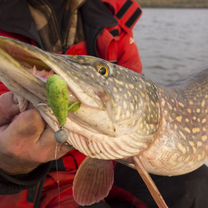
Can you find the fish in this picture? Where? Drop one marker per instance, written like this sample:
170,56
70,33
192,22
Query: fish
123,116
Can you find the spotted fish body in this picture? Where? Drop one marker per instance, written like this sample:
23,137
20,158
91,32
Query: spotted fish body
122,114
181,143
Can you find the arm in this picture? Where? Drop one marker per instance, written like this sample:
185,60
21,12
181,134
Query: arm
128,53
116,44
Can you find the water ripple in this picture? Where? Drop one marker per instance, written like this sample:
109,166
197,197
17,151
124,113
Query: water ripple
173,42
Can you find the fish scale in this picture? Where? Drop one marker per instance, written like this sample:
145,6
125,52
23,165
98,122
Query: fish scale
122,115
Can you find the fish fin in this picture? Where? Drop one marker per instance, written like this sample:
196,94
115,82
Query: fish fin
149,183
93,181
74,107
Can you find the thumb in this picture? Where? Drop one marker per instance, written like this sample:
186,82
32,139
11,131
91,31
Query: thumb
8,108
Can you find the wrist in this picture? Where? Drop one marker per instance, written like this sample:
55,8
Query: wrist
13,167
11,184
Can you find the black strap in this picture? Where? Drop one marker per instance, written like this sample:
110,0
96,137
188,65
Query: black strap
124,9
115,32
133,18
95,16
39,194
14,184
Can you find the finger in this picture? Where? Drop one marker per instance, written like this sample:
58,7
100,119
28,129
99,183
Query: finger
8,108
49,148
21,135
27,126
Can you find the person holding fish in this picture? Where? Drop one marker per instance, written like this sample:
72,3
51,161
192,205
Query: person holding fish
28,178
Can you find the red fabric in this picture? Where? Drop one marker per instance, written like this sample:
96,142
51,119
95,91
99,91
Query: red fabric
3,88
122,48
57,193
78,49
19,200
117,5
69,160
123,51
128,54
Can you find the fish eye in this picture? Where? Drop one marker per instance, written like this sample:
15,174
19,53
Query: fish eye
103,70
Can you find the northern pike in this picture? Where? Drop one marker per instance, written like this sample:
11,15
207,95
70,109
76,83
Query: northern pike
123,116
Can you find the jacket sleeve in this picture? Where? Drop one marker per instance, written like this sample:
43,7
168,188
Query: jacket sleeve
14,184
116,44
121,49
128,53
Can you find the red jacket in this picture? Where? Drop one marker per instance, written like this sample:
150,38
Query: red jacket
114,44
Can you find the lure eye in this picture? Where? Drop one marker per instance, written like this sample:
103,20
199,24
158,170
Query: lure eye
103,70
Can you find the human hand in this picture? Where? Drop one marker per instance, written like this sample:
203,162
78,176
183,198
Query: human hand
25,140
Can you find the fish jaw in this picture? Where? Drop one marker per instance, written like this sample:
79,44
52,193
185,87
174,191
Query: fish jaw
28,57
18,61
118,101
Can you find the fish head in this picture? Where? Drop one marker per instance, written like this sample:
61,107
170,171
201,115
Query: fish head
109,88
116,104
119,112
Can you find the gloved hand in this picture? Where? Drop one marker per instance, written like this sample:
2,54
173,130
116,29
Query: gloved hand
25,140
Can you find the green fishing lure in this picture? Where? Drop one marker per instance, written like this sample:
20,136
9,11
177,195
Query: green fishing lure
58,99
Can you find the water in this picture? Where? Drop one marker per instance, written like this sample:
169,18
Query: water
173,43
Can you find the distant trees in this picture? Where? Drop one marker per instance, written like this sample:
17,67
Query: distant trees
174,3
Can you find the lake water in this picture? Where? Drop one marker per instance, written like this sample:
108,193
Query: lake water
173,43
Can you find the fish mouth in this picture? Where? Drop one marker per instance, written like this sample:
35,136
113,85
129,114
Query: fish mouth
25,59
24,70
91,129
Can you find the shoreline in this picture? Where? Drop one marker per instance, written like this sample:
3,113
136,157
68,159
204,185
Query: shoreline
168,7
190,4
